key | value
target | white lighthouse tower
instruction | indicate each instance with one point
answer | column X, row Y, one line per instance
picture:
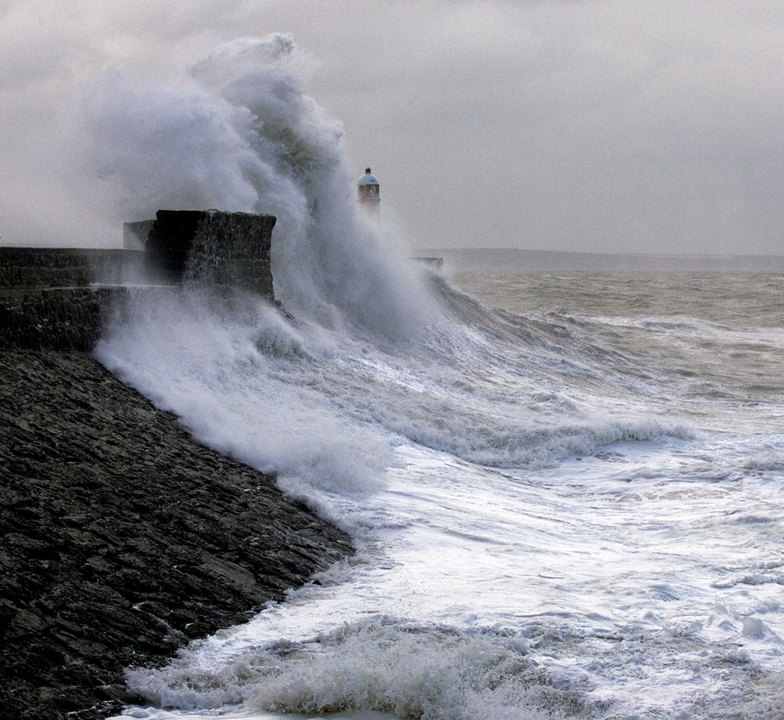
column 369, row 192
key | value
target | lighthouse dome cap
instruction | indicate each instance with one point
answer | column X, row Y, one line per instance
column 368, row 178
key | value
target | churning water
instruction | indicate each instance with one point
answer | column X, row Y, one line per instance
column 565, row 490
column 574, row 509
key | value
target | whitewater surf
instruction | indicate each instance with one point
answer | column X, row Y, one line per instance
column 560, row 510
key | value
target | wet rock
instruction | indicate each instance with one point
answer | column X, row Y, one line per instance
column 121, row 538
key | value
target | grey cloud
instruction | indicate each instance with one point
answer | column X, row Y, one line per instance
column 599, row 125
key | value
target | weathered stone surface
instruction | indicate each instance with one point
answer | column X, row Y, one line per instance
column 59, row 299
column 27, row 268
column 212, row 247
column 121, row 538
column 56, row 318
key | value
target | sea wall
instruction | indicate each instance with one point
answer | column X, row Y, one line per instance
column 212, row 247
column 121, row 538
column 49, row 298
column 61, row 298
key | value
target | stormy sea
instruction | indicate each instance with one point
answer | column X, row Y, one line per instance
column 566, row 489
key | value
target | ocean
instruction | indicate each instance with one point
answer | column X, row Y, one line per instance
column 565, row 488
column 566, row 494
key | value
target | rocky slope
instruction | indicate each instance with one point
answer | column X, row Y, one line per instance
column 122, row 538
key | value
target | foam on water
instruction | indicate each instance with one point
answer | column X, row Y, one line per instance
column 552, row 519
column 483, row 591
column 587, row 563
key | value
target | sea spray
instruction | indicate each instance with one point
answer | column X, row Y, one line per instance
column 637, row 579
column 225, row 370
column 400, row 669
column 237, row 132
column 536, row 530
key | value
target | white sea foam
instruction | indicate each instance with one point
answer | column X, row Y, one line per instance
column 382, row 666
column 556, row 515
column 238, row 133
column 588, row 559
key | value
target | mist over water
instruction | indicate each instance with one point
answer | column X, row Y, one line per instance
column 560, row 510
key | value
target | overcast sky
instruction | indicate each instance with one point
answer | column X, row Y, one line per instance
column 596, row 125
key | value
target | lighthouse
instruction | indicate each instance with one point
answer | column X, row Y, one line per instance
column 369, row 193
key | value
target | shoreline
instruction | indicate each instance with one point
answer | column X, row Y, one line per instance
column 123, row 538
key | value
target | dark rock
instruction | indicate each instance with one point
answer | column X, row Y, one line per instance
column 122, row 538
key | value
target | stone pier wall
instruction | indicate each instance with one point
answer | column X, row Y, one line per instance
column 121, row 538
column 56, row 298
column 212, row 247
column 60, row 298
column 31, row 268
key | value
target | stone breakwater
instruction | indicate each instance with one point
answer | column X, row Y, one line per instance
column 121, row 538
column 50, row 298
column 61, row 298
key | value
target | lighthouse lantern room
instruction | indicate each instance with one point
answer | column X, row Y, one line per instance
column 369, row 193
